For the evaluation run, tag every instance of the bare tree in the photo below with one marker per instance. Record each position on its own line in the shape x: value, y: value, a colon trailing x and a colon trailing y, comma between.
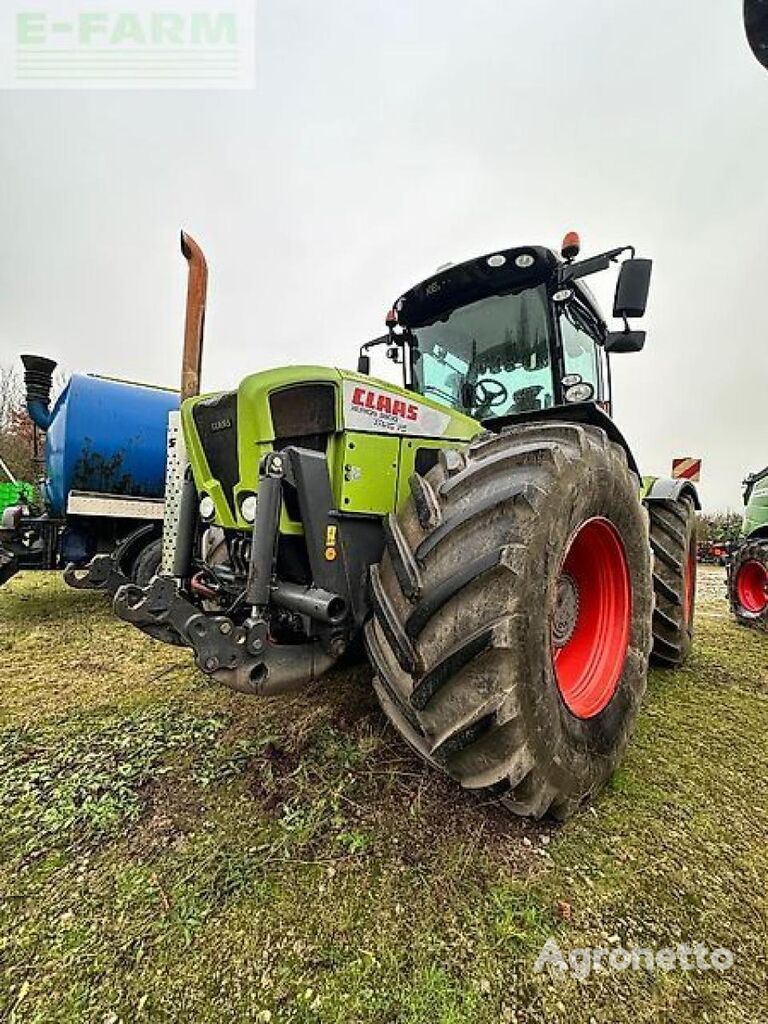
x: 16, y: 429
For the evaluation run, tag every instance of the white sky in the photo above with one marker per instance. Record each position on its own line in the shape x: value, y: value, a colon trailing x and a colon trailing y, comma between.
x: 383, y: 139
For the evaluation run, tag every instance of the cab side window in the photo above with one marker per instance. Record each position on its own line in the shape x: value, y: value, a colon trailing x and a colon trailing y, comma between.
x: 580, y: 350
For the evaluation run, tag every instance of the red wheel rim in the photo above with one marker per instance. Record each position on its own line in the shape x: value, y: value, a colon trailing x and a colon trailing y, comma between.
x: 689, y: 585
x: 592, y: 617
x: 752, y: 586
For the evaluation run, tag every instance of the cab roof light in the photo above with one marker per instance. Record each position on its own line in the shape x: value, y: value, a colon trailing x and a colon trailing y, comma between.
x: 571, y: 246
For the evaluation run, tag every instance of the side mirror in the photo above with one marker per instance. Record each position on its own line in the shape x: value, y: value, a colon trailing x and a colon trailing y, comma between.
x: 632, y: 288
x: 364, y: 364
x: 624, y: 341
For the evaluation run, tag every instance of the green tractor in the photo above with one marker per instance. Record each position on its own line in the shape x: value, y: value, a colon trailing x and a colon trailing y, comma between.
x: 482, y: 526
x: 13, y: 491
x: 748, y: 565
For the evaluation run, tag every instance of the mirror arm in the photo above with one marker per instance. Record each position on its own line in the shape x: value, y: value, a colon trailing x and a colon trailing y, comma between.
x: 363, y: 359
x: 391, y: 339
x: 571, y: 271
x: 383, y: 340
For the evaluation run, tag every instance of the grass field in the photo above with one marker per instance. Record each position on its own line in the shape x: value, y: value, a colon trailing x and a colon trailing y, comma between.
x: 171, y: 851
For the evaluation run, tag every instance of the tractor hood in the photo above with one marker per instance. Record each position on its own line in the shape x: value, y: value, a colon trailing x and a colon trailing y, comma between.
x: 357, y: 421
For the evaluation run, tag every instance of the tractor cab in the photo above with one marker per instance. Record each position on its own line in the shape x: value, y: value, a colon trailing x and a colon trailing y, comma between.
x: 514, y: 332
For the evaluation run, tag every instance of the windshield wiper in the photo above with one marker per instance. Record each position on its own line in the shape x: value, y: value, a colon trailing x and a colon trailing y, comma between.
x: 583, y: 319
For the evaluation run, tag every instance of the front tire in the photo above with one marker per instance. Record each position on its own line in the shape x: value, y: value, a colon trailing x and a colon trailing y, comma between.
x: 512, y: 621
x: 748, y: 584
x: 673, y: 542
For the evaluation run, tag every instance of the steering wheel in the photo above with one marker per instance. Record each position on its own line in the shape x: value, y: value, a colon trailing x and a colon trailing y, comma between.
x: 489, y: 393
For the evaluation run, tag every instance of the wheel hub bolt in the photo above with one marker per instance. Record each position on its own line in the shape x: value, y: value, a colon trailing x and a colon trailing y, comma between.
x: 566, y: 611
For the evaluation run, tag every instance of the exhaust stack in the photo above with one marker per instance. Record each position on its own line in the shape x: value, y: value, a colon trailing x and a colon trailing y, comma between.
x: 194, y: 325
x: 38, y: 380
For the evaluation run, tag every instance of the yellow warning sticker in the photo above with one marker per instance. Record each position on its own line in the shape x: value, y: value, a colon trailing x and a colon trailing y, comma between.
x: 330, y: 543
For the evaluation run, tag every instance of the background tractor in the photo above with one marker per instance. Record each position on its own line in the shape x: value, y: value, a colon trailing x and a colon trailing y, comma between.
x: 482, y: 525
x: 748, y: 566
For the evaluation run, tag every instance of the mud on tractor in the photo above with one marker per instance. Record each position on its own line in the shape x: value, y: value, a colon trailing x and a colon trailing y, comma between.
x: 748, y: 565
x: 483, y: 526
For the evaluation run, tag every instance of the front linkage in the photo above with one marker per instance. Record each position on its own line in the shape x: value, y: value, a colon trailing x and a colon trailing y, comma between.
x: 101, y: 573
x: 240, y: 656
x: 236, y: 648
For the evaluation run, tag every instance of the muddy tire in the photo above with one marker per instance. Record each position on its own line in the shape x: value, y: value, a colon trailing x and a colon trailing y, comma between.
x: 512, y: 615
x: 748, y: 584
x: 673, y: 543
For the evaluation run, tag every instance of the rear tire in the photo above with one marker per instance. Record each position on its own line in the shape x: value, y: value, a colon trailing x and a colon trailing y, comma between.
x: 673, y: 542
x: 748, y: 584
x: 512, y: 615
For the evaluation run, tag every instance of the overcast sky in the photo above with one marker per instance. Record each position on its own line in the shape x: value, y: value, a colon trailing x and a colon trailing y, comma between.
x: 384, y: 138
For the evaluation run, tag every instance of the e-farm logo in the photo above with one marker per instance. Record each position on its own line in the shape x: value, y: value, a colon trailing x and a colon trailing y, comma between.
x: 133, y: 44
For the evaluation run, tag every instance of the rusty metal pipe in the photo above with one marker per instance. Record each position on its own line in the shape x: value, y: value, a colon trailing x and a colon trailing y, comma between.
x: 194, y: 324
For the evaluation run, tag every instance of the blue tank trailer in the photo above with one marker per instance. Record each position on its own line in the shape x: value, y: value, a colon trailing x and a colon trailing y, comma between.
x: 105, y: 454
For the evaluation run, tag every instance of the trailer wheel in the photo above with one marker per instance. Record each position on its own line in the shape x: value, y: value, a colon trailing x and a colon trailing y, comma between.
x: 673, y: 542
x: 748, y: 584
x: 147, y: 563
x: 512, y: 615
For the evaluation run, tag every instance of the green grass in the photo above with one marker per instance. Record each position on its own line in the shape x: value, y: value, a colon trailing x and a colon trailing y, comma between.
x: 171, y: 851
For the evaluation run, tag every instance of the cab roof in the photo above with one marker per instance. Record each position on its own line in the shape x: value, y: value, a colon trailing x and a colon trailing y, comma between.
x: 496, y: 273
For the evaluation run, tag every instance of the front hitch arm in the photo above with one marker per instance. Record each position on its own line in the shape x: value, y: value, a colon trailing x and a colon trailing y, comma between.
x: 241, y: 657
x: 100, y: 573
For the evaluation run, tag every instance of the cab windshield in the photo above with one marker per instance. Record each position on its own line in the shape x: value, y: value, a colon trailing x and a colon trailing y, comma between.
x: 489, y: 358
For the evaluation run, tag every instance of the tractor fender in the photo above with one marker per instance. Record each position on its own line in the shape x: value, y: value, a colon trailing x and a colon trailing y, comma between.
x: 576, y: 412
x: 664, y: 488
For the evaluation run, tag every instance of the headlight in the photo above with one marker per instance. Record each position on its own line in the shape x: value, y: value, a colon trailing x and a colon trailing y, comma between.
x: 248, y: 507
x: 579, y: 393
x: 207, y: 507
